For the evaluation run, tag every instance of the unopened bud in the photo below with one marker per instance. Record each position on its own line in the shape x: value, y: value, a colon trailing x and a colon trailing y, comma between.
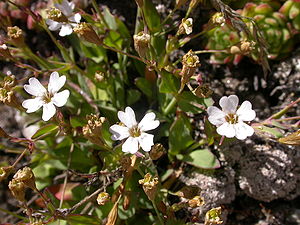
x: 203, y: 91
x: 26, y: 176
x: 15, y: 34
x: 142, y: 43
x: 213, y: 216
x: 190, y: 63
x: 56, y: 15
x: 244, y: 48
x: 5, y: 171
x: 126, y: 202
x: 157, y: 151
x: 149, y: 185
x: 218, y: 19
x: 103, y: 198
x: 196, y: 202
x: 87, y: 32
x: 93, y: 129
x: 186, y: 26
x: 17, y: 189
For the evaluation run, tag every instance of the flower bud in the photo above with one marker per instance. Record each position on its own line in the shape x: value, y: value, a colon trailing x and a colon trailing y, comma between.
x: 86, y: 31
x: 186, y: 26
x: 190, y: 63
x: 157, y: 151
x: 17, y: 189
x: 196, y: 202
x: 244, y: 48
x: 213, y: 216
x: 56, y: 15
x: 5, y: 171
x: 149, y: 185
x: 26, y: 176
x: 103, y: 198
x: 203, y: 91
x: 126, y: 202
x: 93, y: 129
x: 15, y: 34
x: 142, y: 43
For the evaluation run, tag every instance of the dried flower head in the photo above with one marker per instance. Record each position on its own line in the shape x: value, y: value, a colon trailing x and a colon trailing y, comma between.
x: 149, y: 185
x: 17, y: 189
x: 93, y: 129
x: 5, y: 171
x: 190, y: 63
x: 197, y: 201
x: 15, y: 34
x: 142, y: 43
x: 203, y: 91
x: 218, y: 19
x: 103, y: 198
x: 26, y: 176
x: 157, y: 151
x: 87, y: 32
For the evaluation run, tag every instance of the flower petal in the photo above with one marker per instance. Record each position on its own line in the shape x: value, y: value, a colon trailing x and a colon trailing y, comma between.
x: 48, y: 111
x: 216, y: 116
x: 33, y: 105
x: 56, y: 82
x: 119, y: 132
x: 146, y: 141
x: 65, y: 8
x: 35, y: 88
x: 75, y: 18
x: 127, y: 117
x: 53, y: 25
x: 227, y: 130
x: 242, y: 131
x: 61, y: 98
x: 245, y: 112
x: 148, y: 122
x: 131, y: 145
x: 229, y: 104
x: 66, y: 29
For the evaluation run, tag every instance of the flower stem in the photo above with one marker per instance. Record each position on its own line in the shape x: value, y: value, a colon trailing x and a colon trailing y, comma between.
x: 14, y: 214
x: 157, y: 213
x: 170, y: 106
x: 284, y: 110
x: 19, y: 158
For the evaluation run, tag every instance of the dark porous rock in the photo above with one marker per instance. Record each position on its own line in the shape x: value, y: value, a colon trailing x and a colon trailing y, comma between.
x: 266, y: 171
x: 217, y: 188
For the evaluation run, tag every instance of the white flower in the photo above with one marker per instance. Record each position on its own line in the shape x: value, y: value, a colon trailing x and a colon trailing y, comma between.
x: 48, y: 99
x: 187, y: 25
x: 230, y: 120
x: 134, y: 132
x: 63, y: 18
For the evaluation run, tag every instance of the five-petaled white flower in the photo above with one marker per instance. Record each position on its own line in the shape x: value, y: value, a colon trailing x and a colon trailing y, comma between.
x: 230, y: 120
x: 48, y: 99
x: 62, y: 17
x: 133, y: 131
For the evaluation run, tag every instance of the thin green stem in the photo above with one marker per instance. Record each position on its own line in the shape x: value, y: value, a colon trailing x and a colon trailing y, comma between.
x: 41, y: 62
x: 14, y: 214
x: 170, y: 106
x: 123, y: 53
x: 284, y: 110
x: 210, y: 51
x: 157, y: 213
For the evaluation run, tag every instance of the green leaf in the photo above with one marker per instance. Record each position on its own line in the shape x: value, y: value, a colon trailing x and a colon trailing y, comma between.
x: 133, y: 96
x: 188, y: 102
x: 202, y: 159
x: 180, y: 135
x: 77, y: 121
x: 83, y: 220
x: 268, y: 131
x: 169, y: 83
x: 49, y: 128
x: 151, y: 16
x: 145, y: 86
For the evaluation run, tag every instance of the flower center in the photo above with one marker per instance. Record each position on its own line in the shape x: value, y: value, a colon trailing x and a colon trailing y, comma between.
x: 135, y: 131
x: 231, y: 118
x: 47, y: 97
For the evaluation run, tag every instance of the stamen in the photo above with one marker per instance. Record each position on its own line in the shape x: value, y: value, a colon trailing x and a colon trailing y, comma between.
x: 135, y: 131
x: 232, y: 118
